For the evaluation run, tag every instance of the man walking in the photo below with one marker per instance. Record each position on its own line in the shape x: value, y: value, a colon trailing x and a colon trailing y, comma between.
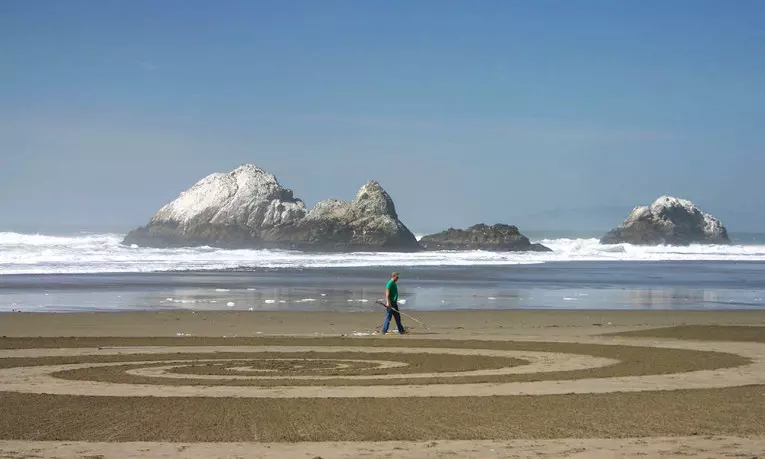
x: 391, y: 303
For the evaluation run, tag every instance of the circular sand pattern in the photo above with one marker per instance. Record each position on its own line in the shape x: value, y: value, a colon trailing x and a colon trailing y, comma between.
x: 267, y: 368
x: 348, y: 371
x: 256, y: 371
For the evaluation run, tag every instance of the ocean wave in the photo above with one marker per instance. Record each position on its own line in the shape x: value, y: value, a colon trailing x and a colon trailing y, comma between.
x: 100, y: 253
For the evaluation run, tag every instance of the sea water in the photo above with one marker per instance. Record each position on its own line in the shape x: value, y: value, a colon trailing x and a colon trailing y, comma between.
x: 96, y: 272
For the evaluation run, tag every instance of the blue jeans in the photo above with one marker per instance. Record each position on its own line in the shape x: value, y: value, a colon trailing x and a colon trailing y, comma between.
x: 392, y: 311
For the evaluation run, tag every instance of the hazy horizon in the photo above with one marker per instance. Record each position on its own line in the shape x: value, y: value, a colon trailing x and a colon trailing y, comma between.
x: 547, y: 115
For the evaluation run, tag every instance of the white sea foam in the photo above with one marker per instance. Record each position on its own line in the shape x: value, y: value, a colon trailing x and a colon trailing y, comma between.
x: 177, y: 301
x: 101, y: 253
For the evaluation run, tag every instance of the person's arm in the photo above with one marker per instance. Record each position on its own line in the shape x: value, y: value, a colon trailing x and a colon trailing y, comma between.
x: 387, y: 297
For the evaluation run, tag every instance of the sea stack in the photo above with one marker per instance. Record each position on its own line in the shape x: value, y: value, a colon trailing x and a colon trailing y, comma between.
x: 248, y: 208
x: 671, y: 221
x: 498, y: 238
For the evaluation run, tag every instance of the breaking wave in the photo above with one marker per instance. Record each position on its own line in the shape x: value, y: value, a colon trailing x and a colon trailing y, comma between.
x: 101, y: 253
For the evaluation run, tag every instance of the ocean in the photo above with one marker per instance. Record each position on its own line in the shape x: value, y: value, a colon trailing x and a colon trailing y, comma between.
x: 94, y: 272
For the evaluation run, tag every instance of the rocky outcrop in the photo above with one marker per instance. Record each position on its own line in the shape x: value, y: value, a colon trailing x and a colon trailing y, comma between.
x: 369, y: 221
x: 481, y: 237
x: 248, y: 208
x: 670, y: 221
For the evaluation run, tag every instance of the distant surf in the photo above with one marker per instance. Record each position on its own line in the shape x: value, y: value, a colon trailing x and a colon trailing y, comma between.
x: 103, y: 253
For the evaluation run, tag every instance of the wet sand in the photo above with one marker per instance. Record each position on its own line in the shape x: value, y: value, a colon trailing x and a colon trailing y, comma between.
x: 471, y: 384
x: 451, y: 324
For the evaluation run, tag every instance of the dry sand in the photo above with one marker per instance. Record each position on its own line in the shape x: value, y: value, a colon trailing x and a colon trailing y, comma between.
x: 472, y: 384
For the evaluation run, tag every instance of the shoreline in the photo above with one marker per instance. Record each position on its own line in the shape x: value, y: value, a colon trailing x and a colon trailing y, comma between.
x: 554, y: 286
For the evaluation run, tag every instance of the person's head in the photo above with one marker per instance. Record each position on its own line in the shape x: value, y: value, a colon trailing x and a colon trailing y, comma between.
x: 394, y: 276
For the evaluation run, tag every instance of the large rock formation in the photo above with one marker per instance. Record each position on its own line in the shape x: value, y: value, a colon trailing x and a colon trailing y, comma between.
x: 369, y: 222
x: 248, y: 208
x: 670, y: 221
x: 481, y: 237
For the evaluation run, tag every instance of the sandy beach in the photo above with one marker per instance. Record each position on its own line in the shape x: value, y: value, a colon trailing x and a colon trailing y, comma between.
x: 307, y: 384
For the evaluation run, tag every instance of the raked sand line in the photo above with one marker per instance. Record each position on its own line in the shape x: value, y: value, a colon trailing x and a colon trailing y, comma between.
x: 39, y: 380
x: 572, y: 448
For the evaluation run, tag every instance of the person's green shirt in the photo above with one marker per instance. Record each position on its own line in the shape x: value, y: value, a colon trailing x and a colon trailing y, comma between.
x: 392, y: 289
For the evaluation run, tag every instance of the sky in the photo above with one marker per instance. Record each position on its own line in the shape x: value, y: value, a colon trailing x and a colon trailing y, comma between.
x: 544, y: 114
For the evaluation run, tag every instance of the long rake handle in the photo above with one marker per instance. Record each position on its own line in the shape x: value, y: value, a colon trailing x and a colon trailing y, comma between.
x: 405, y: 315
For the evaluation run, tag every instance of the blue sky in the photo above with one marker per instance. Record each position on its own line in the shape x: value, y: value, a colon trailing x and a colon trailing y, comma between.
x: 491, y: 111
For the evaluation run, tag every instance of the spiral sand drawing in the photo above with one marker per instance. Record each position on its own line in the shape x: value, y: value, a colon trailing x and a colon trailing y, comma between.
x: 564, y: 393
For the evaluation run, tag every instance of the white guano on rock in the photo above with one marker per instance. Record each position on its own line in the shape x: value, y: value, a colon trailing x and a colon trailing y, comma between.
x: 668, y: 220
x: 249, y: 208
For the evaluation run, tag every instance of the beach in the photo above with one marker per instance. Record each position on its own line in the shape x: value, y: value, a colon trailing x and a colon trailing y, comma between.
x: 486, y: 383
